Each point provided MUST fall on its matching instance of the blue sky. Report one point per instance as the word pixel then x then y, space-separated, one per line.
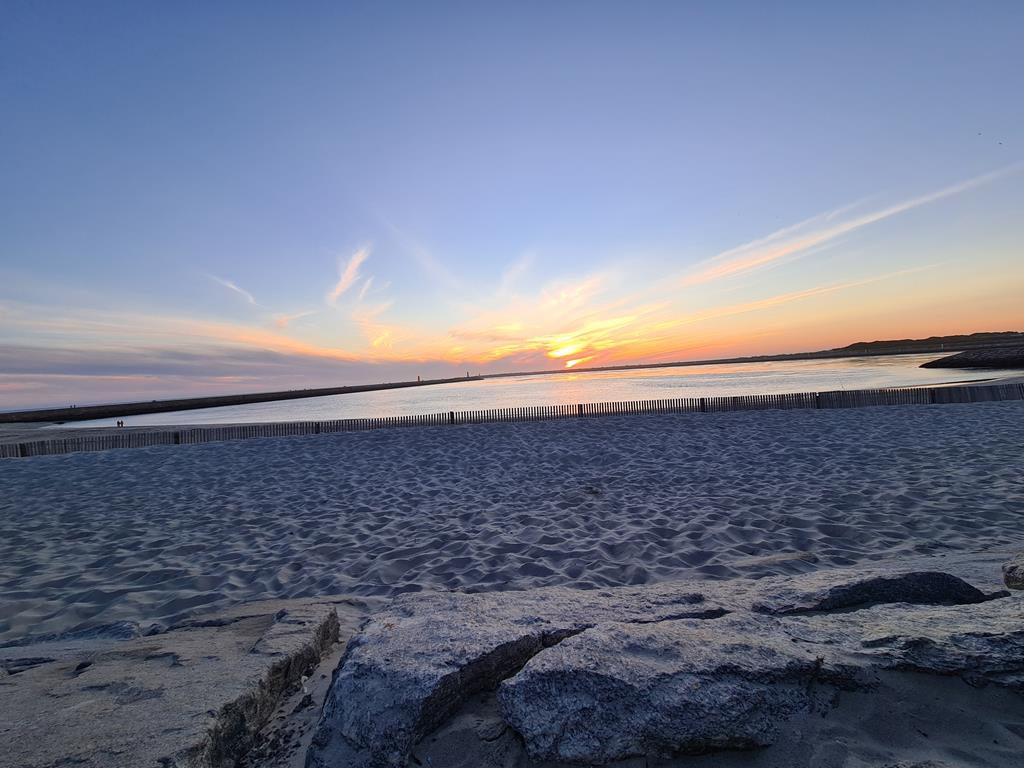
pixel 202 198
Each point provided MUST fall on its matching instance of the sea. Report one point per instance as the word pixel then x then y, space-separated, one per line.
pixel 583 387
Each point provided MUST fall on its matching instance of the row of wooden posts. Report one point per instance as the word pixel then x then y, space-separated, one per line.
pixel 142 437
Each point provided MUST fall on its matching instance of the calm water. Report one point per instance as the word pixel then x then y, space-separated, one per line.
pixel 567 388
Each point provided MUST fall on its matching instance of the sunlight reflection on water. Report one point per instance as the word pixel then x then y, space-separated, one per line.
pixel 582 387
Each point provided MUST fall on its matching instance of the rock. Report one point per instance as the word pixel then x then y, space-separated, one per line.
pixel 1005 357
pixel 1013 572
pixel 623 690
pixel 594 676
pixel 834 590
pixel 117 630
pixel 982 643
pixel 194 696
pixel 418 660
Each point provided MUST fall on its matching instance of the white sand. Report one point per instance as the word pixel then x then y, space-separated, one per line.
pixel 151 535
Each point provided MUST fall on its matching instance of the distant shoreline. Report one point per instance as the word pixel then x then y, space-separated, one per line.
pixel 825 355
pixel 113 410
pixel 938 345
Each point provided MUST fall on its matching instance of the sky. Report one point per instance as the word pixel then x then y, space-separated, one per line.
pixel 200 198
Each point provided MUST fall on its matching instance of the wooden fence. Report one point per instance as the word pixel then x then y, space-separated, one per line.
pixel 141 437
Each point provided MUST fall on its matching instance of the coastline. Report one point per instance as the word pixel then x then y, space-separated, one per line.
pixel 44 438
pixel 114 410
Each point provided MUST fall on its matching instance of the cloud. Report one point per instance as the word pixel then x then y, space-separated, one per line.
pixel 426 260
pixel 96 329
pixel 282 320
pixel 785 298
pixel 348 276
pixel 797 240
pixel 366 287
pixel 232 286
pixel 514 272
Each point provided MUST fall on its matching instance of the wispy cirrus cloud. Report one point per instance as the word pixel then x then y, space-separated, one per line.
pixel 234 287
pixel 366 287
pixel 785 298
pixel 283 320
pixel 799 239
pixel 349 275
pixel 515 271
pixel 425 259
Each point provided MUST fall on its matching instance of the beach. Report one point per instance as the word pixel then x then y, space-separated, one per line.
pixel 154 535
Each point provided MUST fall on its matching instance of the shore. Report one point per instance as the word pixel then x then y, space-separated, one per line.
pixel 41 439
pixel 793 577
pixel 151 535
pixel 115 410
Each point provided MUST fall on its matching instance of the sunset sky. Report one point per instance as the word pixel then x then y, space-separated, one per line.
pixel 225 197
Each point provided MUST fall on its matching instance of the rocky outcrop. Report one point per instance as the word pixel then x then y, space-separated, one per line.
pixel 619 691
pixel 1013 572
pixel 419 659
pixel 597 676
pixel 836 590
pixel 981 643
pixel 624 690
pixel 1000 358
pixel 193 696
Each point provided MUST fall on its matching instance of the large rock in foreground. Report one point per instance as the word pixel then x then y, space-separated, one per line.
pixel 622 690
pixel 419 659
pixel 596 676
pixel 195 696
pixel 838 590
pixel 618 691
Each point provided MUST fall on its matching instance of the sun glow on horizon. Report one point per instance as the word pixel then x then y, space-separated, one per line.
pixel 576 361
pixel 612 316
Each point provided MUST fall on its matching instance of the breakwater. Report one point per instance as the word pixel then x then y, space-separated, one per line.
pixel 115 410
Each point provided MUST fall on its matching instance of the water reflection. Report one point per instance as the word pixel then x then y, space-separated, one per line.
pixel 581 387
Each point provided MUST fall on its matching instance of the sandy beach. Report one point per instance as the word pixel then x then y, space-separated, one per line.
pixel 153 535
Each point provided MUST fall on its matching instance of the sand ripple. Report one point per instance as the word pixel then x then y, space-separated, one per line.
pixel 152 535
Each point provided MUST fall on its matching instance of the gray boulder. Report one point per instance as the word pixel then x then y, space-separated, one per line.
pixel 194 696
pixel 418 660
pixel 836 590
pixel 623 690
pixel 595 676
pixel 1013 572
pixel 982 643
